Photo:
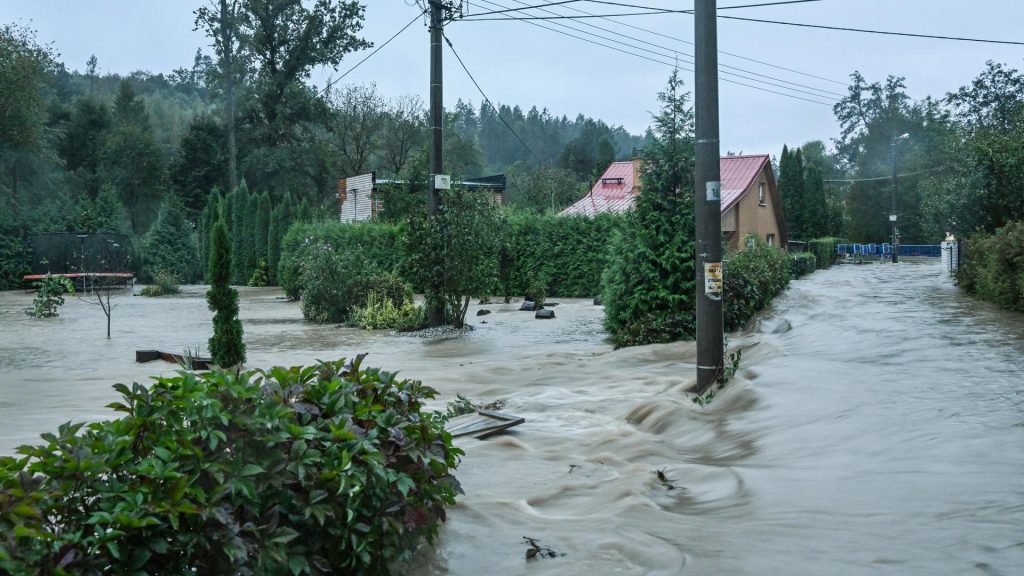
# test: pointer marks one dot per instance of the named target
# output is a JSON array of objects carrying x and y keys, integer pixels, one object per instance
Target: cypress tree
[
  {"x": 226, "y": 345},
  {"x": 239, "y": 205},
  {"x": 799, "y": 200},
  {"x": 815, "y": 213},
  {"x": 210, "y": 215},
  {"x": 649, "y": 288},
  {"x": 262, "y": 232},
  {"x": 791, "y": 181},
  {"x": 248, "y": 235}
]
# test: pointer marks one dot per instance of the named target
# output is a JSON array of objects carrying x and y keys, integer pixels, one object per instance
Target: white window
[
  {"x": 770, "y": 239},
  {"x": 760, "y": 193}
]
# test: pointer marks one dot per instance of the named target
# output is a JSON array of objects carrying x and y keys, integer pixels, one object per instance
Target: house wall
[
  {"x": 754, "y": 217},
  {"x": 358, "y": 205}
]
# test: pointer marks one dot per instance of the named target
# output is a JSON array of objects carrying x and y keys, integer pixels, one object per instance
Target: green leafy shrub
[
  {"x": 164, "y": 282},
  {"x": 824, "y": 250},
  {"x": 381, "y": 313},
  {"x": 376, "y": 243},
  {"x": 993, "y": 266},
  {"x": 50, "y": 295},
  {"x": 454, "y": 256},
  {"x": 337, "y": 283},
  {"x": 752, "y": 278},
  {"x": 325, "y": 469},
  {"x": 802, "y": 264},
  {"x": 261, "y": 275}
]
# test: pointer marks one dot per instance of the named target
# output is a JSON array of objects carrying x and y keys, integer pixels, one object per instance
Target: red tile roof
[{"x": 608, "y": 195}]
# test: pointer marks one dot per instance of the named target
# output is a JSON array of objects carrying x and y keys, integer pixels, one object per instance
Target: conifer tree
[
  {"x": 210, "y": 215},
  {"x": 239, "y": 204},
  {"x": 791, "y": 185},
  {"x": 815, "y": 213},
  {"x": 226, "y": 346},
  {"x": 261, "y": 233},
  {"x": 649, "y": 288},
  {"x": 248, "y": 234}
]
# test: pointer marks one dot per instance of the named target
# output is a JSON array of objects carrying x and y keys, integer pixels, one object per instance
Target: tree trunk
[{"x": 227, "y": 24}]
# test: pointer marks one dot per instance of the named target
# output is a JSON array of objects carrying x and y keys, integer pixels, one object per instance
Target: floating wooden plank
[
  {"x": 198, "y": 363},
  {"x": 482, "y": 424}
]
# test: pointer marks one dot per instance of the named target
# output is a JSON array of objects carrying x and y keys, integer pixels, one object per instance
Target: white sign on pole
[
  {"x": 714, "y": 191},
  {"x": 442, "y": 181}
]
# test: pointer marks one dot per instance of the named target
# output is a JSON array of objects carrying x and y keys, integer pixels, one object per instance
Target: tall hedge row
[
  {"x": 567, "y": 254},
  {"x": 993, "y": 266},
  {"x": 824, "y": 250},
  {"x": 377, "y": 244}
]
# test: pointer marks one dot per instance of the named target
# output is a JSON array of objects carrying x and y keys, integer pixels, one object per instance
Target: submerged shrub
[
  {"x": 824, "y": 250},
  {"x": 50, "y": 295},
  {"x": 993, "y": 266},
  {"x": 381, "y": 313},
  {"x": 375, "y": 243},
  {"x": 326, "y": 469},
  {"x": 752, "y": 278},
  {"x": 164, "y": 282},
  {"x": 801, "y": 264}
]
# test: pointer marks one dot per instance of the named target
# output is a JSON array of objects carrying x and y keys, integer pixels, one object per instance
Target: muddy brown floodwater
[{"x": 877, "y": 426}]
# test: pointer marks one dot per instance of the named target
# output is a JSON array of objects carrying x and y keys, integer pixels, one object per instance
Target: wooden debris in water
[
  {"x": 482, "y": 424},
  {"x": 535, "y": 550}
]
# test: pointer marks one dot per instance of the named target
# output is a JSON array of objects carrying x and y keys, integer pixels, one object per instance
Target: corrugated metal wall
[{"x": 357, "y": 206}]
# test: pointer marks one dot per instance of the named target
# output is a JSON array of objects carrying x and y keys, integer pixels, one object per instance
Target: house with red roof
[{"x": 750, "y": 199}]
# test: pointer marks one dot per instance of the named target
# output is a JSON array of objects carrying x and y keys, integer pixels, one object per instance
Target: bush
[
  {"x": 164, "y": 282},
  {"x": 376, "y": 243},
  {"x": 752, "y": 278},
  {"x": 993, "y": 267},
  {"x": 170, "y": 244},
  {"x": 336, "y": 284},
  {"x": 802, "y": 264},
  {"x": 381, "y": 313},
  {"x": 319, "y": 470},
  {"x": 15, "y": 254},
  {"x": 261, "y": 275},
  {"x": 454, "y": 256},
  {"x": 569, "y": 252},
  {"x": 50, "y": 295},
  {"x": 824, "y": 250}
]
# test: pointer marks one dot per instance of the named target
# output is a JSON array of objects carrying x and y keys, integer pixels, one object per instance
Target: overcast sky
[{"x": 519, "y": 63}]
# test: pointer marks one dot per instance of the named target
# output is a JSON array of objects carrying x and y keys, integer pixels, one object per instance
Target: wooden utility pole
[
  {"x": 707, "y": 199},
  {"x": 435, "y": 310}
]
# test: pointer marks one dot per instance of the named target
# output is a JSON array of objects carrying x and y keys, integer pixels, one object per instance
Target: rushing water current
[{"x": 876, "y": 426}]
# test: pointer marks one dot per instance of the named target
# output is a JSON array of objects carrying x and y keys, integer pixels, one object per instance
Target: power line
[
  {"x": 821, "y": 26},
  {"x": 671, "y": 64},
  {"x": 673, "y": 52},
  {"x": 885, "y": 32},
  {"x": 684, "y": 41},
  {"x": 767, "y": 4},
  {"x": 368, "y": 56},
  {"x": 488, "y": 100},
  {"x": 916, "y": 172},
  {"x": 527, "y": 8}
]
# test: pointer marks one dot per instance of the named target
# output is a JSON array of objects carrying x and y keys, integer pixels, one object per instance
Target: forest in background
[{"x": 83, "y": 152}]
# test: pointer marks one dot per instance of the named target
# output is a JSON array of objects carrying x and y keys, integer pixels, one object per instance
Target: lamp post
[{"x": 894, "y": 215}]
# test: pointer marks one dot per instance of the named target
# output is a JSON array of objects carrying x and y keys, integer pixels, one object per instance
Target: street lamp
[{"x": 893, "y": 216}]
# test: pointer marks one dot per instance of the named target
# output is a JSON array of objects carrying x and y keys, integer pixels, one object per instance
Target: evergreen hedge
[
  {"x": 567, "y": 254},
  {"x": 751, "y": 279},
  {"x": 802, "y": 264},
  {"x": 377, "y": 244},
  {"x": 993, "y": 266},
  {"x": 824, "y": 250}
]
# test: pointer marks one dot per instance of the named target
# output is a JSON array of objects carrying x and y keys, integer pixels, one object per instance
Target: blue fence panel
[
  {"x": 927, "y": 250},
  {"x": 841, "y": 249}
]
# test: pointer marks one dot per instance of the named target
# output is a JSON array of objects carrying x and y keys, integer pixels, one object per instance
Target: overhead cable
[
  {"x": 368, "y": 56},
  {"x": 671, "y": 64},
  {"x": 488, "y": 100}
]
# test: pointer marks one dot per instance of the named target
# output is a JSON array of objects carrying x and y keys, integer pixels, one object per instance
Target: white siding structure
[{"x": 356, "y": 197}]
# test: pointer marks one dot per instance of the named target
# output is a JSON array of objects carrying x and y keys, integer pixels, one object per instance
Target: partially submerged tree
[
  {"x": 649, "y": 288},
  {"x": 226, "y": 346}
]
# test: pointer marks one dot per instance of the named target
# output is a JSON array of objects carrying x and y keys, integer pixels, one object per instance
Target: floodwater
[{"x": 876, "y": 426}]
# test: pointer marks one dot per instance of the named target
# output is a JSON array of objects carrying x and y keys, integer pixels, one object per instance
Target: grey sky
[{"x": 517, "y": 63}]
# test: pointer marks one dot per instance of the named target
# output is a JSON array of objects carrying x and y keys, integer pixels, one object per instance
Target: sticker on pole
[
  {"x": 713, "y": 280},
  {"x": 714, "y": 191}
]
